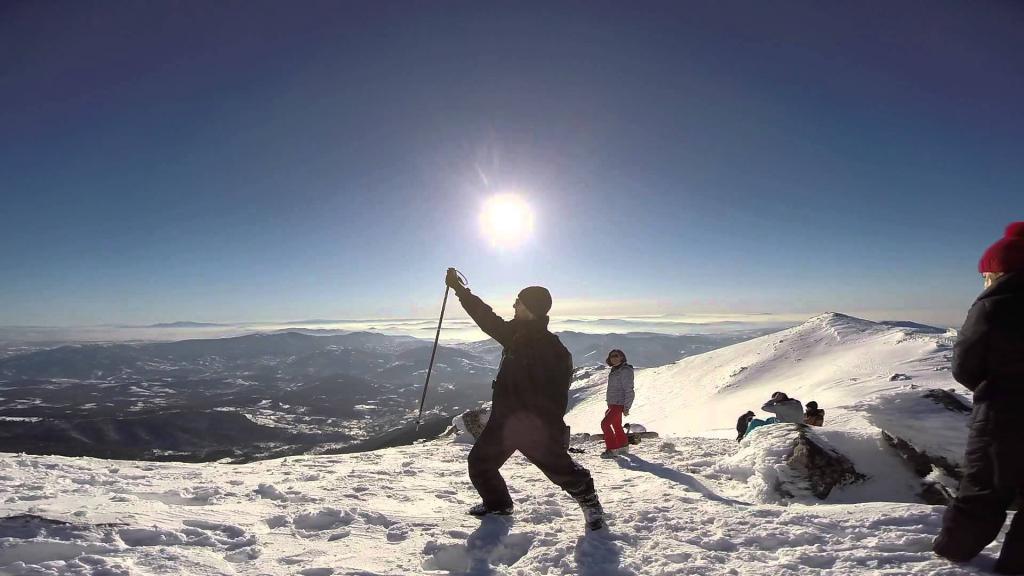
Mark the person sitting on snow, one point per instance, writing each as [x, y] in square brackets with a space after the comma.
[742, 424]
[814, 416]
[786, 409]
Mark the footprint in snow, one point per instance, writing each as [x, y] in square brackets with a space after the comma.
[376, 518]
[244, 554]
[489, 545]
[397, 533]
[270, 492]
[278, 521]
[323, 519]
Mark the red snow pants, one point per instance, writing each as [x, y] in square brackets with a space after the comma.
[614, 435]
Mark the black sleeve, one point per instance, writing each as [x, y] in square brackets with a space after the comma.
[971, 349]
[484, 316]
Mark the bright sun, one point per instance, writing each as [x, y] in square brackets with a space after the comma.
[506, 220]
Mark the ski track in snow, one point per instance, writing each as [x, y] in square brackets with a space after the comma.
[402, 511]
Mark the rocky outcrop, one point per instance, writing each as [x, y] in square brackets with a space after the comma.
[948, 400]
[784, 462]
[939, 474]
[821, 466]
[924, 465]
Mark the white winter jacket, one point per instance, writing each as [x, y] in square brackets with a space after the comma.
[789, 410]
[620, 386]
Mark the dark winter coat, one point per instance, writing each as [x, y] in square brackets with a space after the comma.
[536, 368]
[988, 358]
[741, 425]
[814, 417]
[620, 386]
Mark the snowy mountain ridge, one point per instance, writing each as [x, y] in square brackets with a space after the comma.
[834, 359]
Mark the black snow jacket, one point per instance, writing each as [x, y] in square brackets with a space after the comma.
[536, 368]
[742, 424]
[988, 357]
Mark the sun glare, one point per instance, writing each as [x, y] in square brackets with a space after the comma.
[506, 220]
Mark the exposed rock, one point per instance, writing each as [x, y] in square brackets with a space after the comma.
[932, 468]
[470, 424]
[947, 399]
[928, 430]
[898, 377]
[781, 462]
[936, 494]
[823, 467]
[924, 465]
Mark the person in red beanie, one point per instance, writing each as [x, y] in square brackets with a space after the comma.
[988, 358]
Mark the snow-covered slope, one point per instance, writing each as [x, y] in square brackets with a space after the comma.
[836, 360]
[691, 502]
[402, 511]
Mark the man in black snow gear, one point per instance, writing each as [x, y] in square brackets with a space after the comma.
[988, 358]
[742, 424]
[530, 396]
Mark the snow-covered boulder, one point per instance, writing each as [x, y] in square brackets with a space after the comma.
[782, 462]
[470, 424]
[928, 429]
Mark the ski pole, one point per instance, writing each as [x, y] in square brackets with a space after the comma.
[430, 367]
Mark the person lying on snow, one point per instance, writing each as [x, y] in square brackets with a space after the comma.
[814, 416]
[988, 358]
[529, 399]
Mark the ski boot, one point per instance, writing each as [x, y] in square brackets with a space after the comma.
[593, 513]
[484, 510]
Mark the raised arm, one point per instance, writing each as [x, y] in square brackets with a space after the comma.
[484, 316]
[492, 324]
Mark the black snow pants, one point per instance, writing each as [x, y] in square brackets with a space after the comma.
[541, 441]
[993, 480]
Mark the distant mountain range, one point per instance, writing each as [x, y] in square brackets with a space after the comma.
[186, 325]
[293, 390]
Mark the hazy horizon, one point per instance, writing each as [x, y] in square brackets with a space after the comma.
[456, 328]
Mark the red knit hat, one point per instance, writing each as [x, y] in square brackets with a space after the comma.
[1007, 254]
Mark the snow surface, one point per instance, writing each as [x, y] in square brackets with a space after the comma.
[691, 502]
[401, 511]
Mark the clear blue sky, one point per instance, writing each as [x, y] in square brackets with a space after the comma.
[222, 161]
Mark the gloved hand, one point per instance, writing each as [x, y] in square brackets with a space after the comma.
[453, 281]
